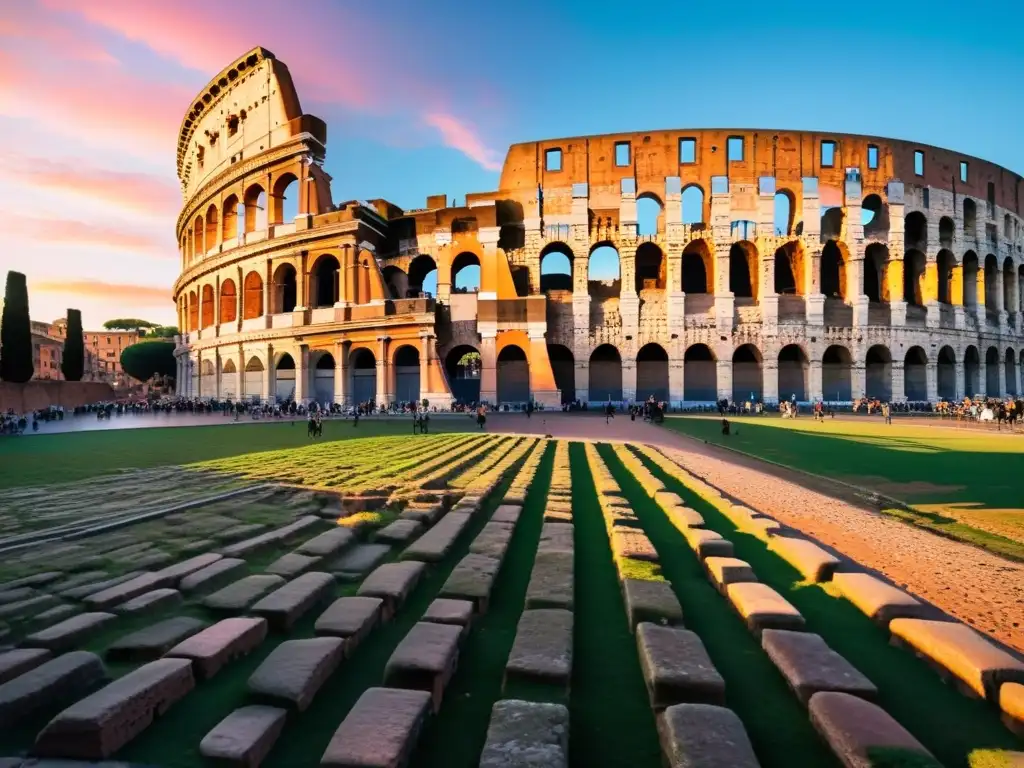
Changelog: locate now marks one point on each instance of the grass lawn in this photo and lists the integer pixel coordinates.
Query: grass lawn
(45, 459)
(961, 483)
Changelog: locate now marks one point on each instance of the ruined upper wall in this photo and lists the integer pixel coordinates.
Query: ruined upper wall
(787, 155)
(235, 116)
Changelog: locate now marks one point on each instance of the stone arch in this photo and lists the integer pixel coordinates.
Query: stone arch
(1009, 286)
(784, 208)
(423, 275)
(604, 271)
(405, 363)
(229, 219)
(228, 301)
(833, 271)
(324, 286)
(323, 377)
(876, 257)
(649, 270)
(605, 384)
(793, 373)
(747, 374)
(252, 296)
(652, 373)
(878, 373)
(1010, 372)
(789, 269)
(837, 374)
(970, 216)
(285, 378)
(991, 271)
(913, 277)
(198, 238)
(397, 281)
(945, 371)
(193, 311)
(212, 228)
(650, 215)
(915, 231)
(874, 216)
(466, 273)
(556, 267)
(208, 306)
(971, 271)
(947, 231)
(831, 224)
(698, 268)
(252, 378)
(563, 366)
(915, 375)
(972, 371)
(513, 375)
(255, 202)
(362, 369)
(945, 262)
(463, 366)
(743, 271)
(285, 199)
(700, 374)
(228, 380)
(992, 362)
(286, 291)
(693, 205)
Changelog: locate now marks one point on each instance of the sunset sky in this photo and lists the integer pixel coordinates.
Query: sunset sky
(423, 97)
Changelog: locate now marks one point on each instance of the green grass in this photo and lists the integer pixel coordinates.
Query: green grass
(960, 483)
(909, 689)
(67, 457)
(611, 721)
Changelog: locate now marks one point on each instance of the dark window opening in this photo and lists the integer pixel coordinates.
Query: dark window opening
(553, 160)
(925, 197)
(622, 154)
(991, 199)
(687, 151)
(828, 154)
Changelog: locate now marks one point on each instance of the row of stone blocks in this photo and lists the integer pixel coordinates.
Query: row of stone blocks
(806, 662)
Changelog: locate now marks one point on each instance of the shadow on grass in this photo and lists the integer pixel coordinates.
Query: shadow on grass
(909, 689)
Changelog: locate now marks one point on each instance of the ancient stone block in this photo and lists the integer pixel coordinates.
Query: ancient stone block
(809, 665)
(380, 731)
(289, 602)
(125, 591)
(272, 538)
(154, 641)
(652, 601)
(704, 736)
(493, 540)
(392, 582)
(507, 513)
(434, 545)
(172, 574)
(1011, 702)
(551, 581)
(21, 660)
(70, 632)
(92, 587)
(724, 571)
(684, 517)
(707, 543)
(357, 561)
(241, 594)
(444, 611)
(425, 659)
(50, 686)
(632, 543)
(245, 737)
(472, 579)
(526, 733)
(156, 600)
(213, 576)
(351, 618)
(813, 562)
(55, 614)
(556, 537)
(294, 671)
(677, 668)
(542, 651)
(328, 543)
(214, 647)
(399, 532)
(878, 600)
(763, 608)
(27, 606)
(292, 565)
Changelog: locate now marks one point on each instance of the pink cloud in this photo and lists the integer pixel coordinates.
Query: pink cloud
(154, 195)
(137, 295)
(71, 232)
(23, 23)
(460, 136)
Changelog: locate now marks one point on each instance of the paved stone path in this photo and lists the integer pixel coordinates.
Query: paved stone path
(979, 588)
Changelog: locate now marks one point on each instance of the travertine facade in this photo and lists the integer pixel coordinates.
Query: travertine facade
(749, 263)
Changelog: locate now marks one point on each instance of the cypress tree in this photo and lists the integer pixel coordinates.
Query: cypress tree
(16, 332)
(73, 363)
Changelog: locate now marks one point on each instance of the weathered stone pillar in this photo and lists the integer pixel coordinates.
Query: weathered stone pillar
(301, 374)
(958, 369)
(858, 379)
(814, 381)
(931, 372)
(269, 393)
(629, 377)
(341, 356)
(724, 376)
(899, 386)
(582, 380)
(930, 294)
(488, 370)
(383, 371)
(770, 383)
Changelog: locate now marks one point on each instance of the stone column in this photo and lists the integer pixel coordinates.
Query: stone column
(629, 301)
(341, 355)
(770, 376)
(958, 372)
(676, 373)
(427, 343)
(240, 375)
(582, 380)
(721, 229)
(629, 377)
(899, 385)
(858, 379)
(956, 296)
(384, 393)
(1001, 302)
(982, 374)
(814, 381)
(930, 295)
(931, 373)
(269, 393)
(488, 371)
(302, 374)
(724, 376)
(853, 236)
(814, 299)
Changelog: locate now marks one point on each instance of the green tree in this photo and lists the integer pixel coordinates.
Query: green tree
(16, 332)
(148, 358)
(128, 324)
(162, 332)
(73, 362)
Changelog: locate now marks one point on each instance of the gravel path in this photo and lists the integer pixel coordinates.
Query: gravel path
(975, 586)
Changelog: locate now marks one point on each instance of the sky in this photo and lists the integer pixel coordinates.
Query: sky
(423, 98)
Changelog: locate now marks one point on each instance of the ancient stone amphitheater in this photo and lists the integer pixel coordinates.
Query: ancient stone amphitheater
(692, 265)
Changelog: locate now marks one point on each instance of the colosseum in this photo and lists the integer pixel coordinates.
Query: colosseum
(692, 265)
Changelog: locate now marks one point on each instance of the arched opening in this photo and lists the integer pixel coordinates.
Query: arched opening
(407, 374)
(992, 362)
(946, 374)
(913, 278)
(462, 365)
(991, 288)
(397, 282)
(208, 306)
(252, 381)
(915, 375)
(648, 215)
(193, 311)
(693, 205)
(326, 272)
(793, 367)
(945, 262)
(207, 382)
(323, 378)
(1009, 286)
(747, 374)
(698, 267)
(284, 378)
(605, 384)
(876, 256)
(971, 269)
(783, 215)
(650, 268)
(947, 230)
(700, 375)
(212, 226)
(652, 373)
(363, 376)
(972, 366)
(286, 199)
(255, 209)
(878, 373)
(789, 270)
(743, 270)
(285, 289)
(556, 267)
(563, 366)
(228, 301)
(874, 216)
(603, 275)
(1010, 372)
(970, 217)
(423, 276)
(831, 224)
(228, 380)
(198, 238)
(229, 226)
(466, 273)
(833, 271)
(915, 231)
(252, 296)
(837, 374)
(513, 375)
